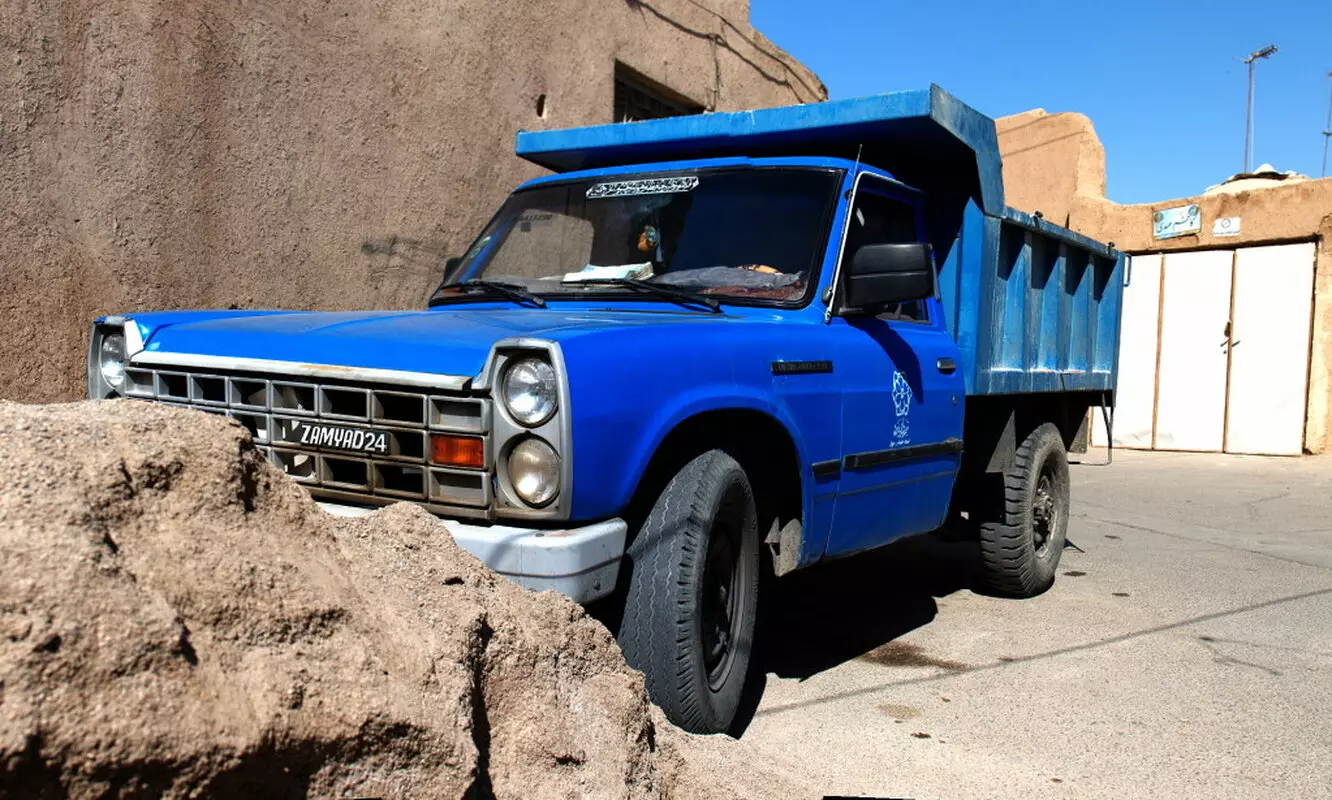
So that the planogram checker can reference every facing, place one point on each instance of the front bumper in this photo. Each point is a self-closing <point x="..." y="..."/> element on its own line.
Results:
<point x="582" y="563"/>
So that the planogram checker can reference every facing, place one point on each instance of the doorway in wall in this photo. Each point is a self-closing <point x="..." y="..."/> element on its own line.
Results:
<point x="1214" y="351"/>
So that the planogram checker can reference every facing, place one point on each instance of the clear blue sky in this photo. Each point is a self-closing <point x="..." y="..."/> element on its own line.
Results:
<point x="1158" y="79"/>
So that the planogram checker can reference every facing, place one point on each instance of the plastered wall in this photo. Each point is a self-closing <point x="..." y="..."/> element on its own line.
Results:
<point x="161" y="154"/>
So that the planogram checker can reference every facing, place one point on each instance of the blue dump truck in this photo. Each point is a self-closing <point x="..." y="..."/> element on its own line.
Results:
<point x="703" y="350"/>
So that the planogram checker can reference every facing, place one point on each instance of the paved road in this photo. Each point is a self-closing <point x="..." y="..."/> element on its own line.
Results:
<point x="1185" y="652"/>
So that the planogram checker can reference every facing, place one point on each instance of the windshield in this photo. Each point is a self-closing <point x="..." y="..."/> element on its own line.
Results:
<point x="747" y="234"/>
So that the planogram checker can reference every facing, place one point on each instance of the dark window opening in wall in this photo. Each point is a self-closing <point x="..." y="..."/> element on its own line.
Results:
<point x="638" y="98"/>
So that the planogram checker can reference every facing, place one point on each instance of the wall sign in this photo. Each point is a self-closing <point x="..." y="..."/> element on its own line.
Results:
<point x="1226" y="226"/>
<point x="1179" y="221"/>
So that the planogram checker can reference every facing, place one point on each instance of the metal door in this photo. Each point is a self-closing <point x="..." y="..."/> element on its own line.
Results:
<point x="1195" y="329"/>
<point x="1269" y="349"/>
<point x="1135" y="397"/>
<point x="902" y="398"/>
<point x="902" y="401"/>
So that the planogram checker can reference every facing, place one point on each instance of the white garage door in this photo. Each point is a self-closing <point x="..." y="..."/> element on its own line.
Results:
<point x="1135" y="400"/>
<point x="1269" y="351"/>
<point x="1214" y="351"/>
<point x="1191" y="385"/>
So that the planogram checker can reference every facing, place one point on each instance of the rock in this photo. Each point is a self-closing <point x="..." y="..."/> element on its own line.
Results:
<point x="179" y="619"/>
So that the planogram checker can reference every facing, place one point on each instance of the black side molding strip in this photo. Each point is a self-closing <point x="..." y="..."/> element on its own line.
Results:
<point x="801" y="367"/>
<point x="880" y="457"/>
<point x="827" y="469"/>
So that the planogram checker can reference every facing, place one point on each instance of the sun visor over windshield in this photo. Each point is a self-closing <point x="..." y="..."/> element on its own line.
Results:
<point x="926" y="138"/>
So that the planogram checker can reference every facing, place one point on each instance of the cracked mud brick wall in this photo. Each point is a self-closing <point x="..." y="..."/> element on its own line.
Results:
<point x="306" y="155"/>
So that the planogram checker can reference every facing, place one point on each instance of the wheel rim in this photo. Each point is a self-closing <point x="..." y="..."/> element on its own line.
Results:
<point x="720" y="605"/>
<point x="1045" y="509"/>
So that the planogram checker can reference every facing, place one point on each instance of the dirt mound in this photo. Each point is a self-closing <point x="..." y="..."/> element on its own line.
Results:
<point x="177" y="618"/>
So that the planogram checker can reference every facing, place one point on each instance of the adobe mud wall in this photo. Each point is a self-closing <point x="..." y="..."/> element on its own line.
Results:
<point x="329" y="155"/>
<point x="1048" y="160"/>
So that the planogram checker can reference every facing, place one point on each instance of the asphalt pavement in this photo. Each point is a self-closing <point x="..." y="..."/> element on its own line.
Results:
<point x="1184" y="652"/>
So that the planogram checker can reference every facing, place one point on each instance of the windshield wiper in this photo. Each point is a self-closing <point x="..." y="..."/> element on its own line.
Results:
<point x="681" y="296"/>
<point x="513" y="291"/>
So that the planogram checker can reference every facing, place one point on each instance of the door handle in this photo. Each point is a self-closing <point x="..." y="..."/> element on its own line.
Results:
<point x="946" y="365"/>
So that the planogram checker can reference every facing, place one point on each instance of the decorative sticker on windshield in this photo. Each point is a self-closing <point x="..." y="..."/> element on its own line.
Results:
<point x="534" y="219"/>
<point x="642" y="187"/>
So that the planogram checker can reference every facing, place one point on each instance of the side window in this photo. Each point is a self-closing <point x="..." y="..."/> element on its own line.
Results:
<point x="879" y="219"/>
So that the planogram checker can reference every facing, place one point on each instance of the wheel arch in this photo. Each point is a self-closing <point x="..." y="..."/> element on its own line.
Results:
<point x="762" y="444"/>
<point x="997" y="424"/>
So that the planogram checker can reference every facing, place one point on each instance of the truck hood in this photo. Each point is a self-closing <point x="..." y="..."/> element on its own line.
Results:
<point x="446" y="341"/>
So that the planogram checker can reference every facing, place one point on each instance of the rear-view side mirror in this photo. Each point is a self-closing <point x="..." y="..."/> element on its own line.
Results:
<point x="883" y="274"/>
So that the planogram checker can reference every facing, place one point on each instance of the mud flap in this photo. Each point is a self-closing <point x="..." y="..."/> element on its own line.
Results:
<point x="784" y="543"/>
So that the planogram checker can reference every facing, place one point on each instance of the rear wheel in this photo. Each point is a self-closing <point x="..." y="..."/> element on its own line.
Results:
<point x="688" y="621"/>
<point x="1022" y="541"/>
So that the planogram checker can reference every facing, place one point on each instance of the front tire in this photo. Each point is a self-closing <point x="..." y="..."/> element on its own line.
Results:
<point x="688" y="621"/>
<point x="1021" y="544"/>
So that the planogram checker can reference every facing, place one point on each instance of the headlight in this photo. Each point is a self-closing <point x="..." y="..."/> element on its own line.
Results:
<point x="534" y="472"/>
<point x="529" y="391"/>
<point x="112" y="360"/>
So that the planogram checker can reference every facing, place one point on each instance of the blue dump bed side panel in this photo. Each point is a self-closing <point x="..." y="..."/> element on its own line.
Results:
<point x="1033" y="306"/>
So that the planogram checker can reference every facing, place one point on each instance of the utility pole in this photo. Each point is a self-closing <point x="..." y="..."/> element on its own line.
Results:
<point x="1327" y="133"/>
<point x="1266" y="52"/>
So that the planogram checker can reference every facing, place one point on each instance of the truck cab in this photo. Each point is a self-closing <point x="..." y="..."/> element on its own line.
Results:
<point x="701" y="349"/>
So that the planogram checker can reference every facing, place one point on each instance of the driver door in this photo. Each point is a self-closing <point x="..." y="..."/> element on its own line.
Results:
<point x="902" y="397"/>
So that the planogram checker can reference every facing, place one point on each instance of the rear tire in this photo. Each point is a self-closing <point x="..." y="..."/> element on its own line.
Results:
<point x="1022" y="542"/>
<point x="688" y="621"/>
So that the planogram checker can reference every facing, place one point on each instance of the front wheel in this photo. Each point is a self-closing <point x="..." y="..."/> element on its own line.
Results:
<point x="688" y="621"/>
<point x="1021" y="543"/>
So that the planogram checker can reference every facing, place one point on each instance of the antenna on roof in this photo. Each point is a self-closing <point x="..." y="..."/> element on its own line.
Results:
<point x="1327" y="134"/>
<point x="860" y="148"/>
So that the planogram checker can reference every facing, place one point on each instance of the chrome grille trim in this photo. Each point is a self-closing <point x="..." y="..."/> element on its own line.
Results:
<point x="335" y="397"/>
<point x="208" y="390"/>
<point x="269" y="405"/>
<point x="172" y="386"/>
<point x="386" y="408"/>
<point x="300" y="399"/>
<point x="227" y="364"/>
<point x="241" y="390"/>
<point x="443" y="487"/>
<point x="447" y="413"/>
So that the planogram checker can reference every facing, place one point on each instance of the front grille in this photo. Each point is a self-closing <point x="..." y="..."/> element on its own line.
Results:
<point x="274" y="409"/>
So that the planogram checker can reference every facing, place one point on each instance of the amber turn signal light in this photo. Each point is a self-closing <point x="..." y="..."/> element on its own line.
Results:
<point x="458" y="451"/>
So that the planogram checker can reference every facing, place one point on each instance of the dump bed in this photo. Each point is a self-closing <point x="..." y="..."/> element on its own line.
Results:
<point x="1034" y="307"/>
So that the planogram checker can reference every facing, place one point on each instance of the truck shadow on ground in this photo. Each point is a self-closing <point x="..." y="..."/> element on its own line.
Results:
<point x="815" y="619"/>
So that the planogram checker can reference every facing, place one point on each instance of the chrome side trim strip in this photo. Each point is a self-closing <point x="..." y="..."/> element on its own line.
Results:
<point x="875" y="458"/>
<point x="428" y="380"/>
